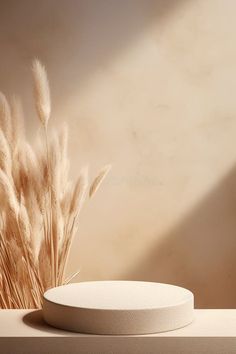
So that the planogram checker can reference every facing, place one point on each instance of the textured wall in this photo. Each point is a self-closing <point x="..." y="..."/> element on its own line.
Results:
<point x="149" y="86"/>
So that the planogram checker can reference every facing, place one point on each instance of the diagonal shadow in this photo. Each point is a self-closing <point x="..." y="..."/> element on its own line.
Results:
<point x="200" y="252"/>
<point x="77" y="36"/>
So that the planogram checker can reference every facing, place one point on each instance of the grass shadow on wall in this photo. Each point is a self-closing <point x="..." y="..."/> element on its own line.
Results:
<point x="200" y="252"/>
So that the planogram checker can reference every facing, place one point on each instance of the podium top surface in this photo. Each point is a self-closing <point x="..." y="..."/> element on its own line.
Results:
<point x="118" y="295"/>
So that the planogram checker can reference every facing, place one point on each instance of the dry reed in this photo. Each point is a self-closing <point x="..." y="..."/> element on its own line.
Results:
<point x="39" y="206"/>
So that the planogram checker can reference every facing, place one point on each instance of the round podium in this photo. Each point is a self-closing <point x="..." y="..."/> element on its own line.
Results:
<point x="118" y="307"/>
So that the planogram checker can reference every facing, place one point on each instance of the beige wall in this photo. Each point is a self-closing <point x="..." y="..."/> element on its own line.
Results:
<point x="149" y="86"/>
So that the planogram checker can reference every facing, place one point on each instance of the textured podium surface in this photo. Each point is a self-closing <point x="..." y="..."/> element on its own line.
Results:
<point x="118" y="307"/>
<point x="24" y="332"/>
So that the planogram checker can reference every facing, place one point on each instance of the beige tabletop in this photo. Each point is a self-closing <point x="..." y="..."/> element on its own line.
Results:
<point x="24" y="332"/>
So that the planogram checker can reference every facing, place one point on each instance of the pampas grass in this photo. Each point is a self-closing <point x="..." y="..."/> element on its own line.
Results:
<point x="39" y="206"/>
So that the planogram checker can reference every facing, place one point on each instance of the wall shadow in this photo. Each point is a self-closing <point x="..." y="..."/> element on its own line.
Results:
<point x="200" y="252"/>
<point x="73" y="38"/>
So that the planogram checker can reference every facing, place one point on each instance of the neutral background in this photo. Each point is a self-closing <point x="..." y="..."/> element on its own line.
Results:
<point x="149" y="86"/>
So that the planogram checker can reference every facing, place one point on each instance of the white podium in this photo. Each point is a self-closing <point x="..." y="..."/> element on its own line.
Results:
<point x="118" y="307"/>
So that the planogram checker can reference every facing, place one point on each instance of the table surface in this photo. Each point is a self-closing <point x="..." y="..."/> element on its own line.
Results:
<point x="29" y="323"/>
<point x="24" y="332"/>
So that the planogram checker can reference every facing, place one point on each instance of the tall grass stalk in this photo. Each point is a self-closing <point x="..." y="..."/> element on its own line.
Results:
<point x="39" y="206"/>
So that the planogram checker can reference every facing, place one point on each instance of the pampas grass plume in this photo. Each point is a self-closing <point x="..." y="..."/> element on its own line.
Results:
<point x="41" y="92"/>
<point x="39" y="206"/>
<point x="98" y="180"/>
